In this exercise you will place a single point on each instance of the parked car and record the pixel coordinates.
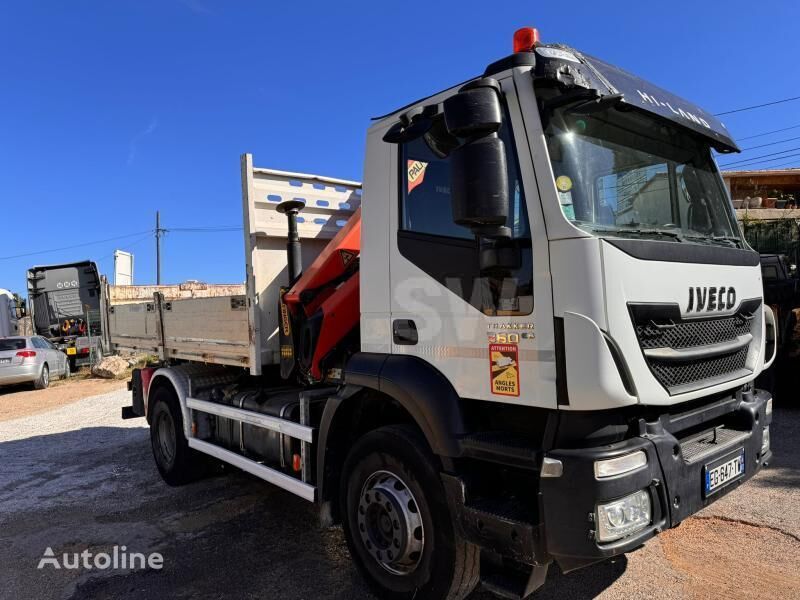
(31, 359)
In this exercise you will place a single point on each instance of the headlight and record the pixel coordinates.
(765, 441)
(622, 464)
(623, 517)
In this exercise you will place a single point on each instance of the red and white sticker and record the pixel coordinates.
(416, 173)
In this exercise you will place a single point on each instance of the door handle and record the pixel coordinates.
(404, 332)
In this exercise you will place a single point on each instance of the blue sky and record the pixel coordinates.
(110, 110)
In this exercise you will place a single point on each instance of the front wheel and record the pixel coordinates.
(397, 523)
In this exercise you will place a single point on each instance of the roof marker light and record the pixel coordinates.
(525, 39)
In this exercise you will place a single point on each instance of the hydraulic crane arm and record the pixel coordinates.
(320, 310)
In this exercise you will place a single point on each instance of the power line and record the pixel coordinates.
(128, 246)
(744, 160)
(739, 167)
(737, 110)
(203, 229)
(750, 137)
(113, 239)
(794, 161)
(771, 143)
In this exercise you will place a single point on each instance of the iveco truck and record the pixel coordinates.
(529, 337)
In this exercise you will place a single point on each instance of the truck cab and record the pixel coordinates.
(541, 332)
(620, 295)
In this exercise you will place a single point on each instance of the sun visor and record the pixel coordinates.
(573, 68)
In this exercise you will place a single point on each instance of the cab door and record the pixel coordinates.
(488, 330)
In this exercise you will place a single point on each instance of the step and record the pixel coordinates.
(501, 447)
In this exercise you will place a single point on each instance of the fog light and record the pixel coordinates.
(768, 410)
(623, 517)
(622, 464)
(765, 441)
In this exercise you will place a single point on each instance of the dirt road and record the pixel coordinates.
(21, 400)
(77, 477)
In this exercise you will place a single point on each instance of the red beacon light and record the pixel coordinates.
(525, 39)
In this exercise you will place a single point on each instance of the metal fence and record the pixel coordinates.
(779, 236)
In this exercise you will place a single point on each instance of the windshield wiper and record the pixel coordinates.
(711, 239)
(658, 232)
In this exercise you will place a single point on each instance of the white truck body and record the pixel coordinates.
(237, 330)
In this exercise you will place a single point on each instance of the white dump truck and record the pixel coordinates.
(532, 339)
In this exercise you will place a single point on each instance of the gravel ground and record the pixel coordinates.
(78, 477)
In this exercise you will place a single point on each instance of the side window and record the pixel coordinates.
(450, 253)
(426, 193)
(36, 343)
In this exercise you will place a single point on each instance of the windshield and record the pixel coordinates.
(621, 173)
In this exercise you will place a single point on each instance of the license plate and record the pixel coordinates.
(5, 361)
(71, 351)
(721, 472)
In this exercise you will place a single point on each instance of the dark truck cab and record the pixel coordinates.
(64, 302)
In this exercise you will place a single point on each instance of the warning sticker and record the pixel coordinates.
(504, 367)
(416, 173)
(347, 256)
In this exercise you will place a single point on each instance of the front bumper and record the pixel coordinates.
(674, 476)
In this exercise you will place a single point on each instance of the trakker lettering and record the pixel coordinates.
(705, 299)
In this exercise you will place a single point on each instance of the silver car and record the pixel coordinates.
(31, 359)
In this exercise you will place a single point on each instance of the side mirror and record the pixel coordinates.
(479, 187)
(478, 176)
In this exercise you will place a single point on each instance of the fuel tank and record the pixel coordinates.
(257, 442)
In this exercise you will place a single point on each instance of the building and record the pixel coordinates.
(777, 188)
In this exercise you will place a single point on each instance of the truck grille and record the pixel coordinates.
(686, 354)
(688, 334)
(672, 375)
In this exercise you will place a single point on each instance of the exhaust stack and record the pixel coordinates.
(294, 256)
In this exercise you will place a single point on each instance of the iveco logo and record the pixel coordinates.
(711, 298)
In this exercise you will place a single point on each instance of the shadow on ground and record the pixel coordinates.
(229, 536)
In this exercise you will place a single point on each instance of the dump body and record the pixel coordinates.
(241, 330)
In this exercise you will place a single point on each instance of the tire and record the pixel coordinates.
(391, 473)
(43, 381)
(176, 462)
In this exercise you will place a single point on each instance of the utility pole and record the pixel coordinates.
(159, 233)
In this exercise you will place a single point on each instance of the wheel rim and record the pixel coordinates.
(390, 524)
(46, 376)
(165, 430)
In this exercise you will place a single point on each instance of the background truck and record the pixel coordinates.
(64, 303)
(12, 309)
(532, 339)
